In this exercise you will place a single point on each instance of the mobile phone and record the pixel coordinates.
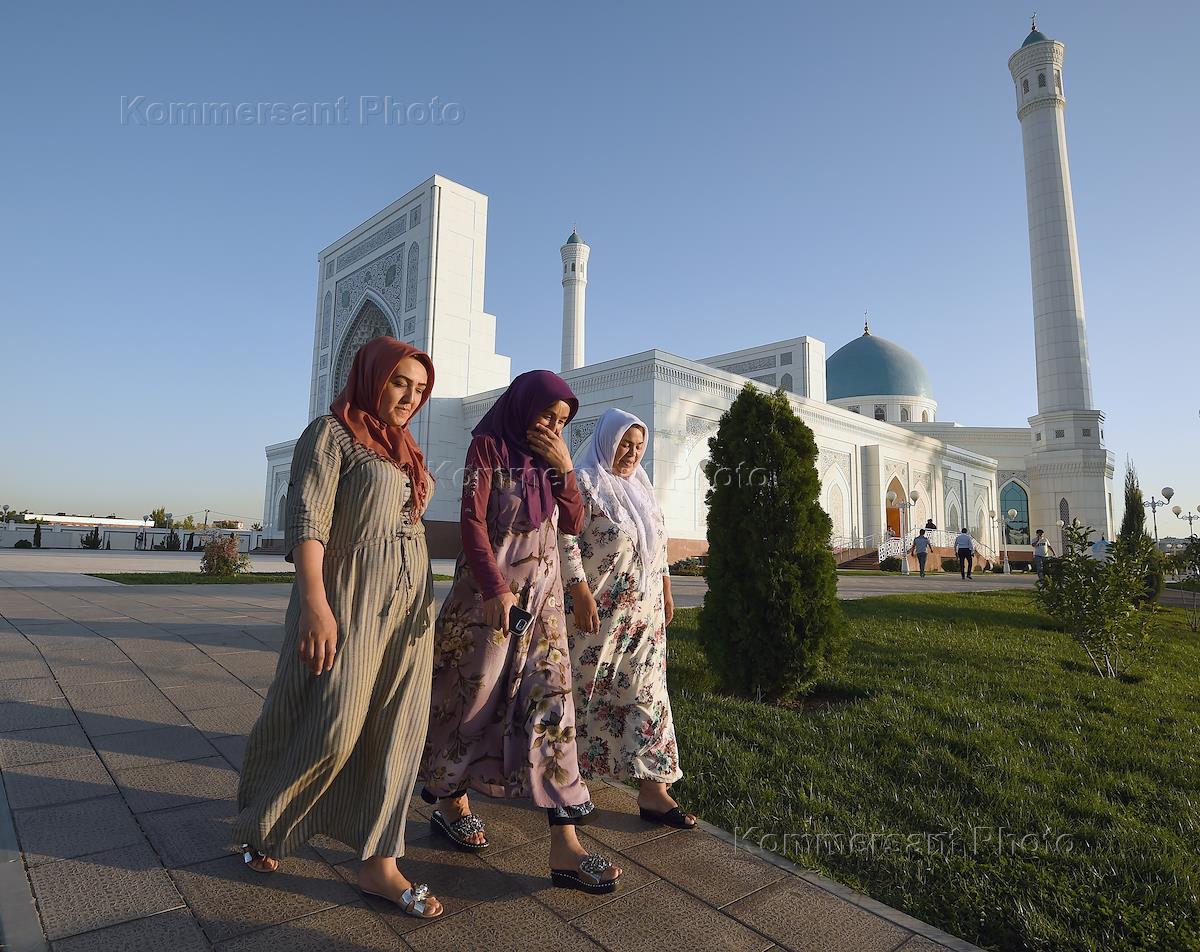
(518, 620)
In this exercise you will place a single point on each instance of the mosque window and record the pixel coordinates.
(904, 415)
(785, 359)
(1058, 81)
(1025, 86)
(1037, 437)
(564, 268)
(1087, 431)
(1060, 434)
(1041, 80)
(924, 416)
(1064, 511)
(572, 265)
(415, 218)
(1016, 529)
(786, 382)
(853, 409)
(880, 412)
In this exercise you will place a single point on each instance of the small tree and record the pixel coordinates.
(221, 557)
(37, 534)
(92, 539)
(159, 516)
(771, 623)
(1101, 605)
(1133, 522)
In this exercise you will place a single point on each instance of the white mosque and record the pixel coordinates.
(415, 271)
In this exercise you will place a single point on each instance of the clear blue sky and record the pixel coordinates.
(743, 173)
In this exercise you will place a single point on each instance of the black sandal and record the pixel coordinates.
(587, 876)
(457, 831)
(673, 817)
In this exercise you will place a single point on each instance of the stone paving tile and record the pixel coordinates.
(122, 752)
(921, 944)
(220, 721)
(510, 922)
(63, 781)
(529, 868)
(100, 673)
(509, 822)
(661, 916)
(195, 697)
(29, 689)
(231, 643)
(57, 832)
(616, 823)
(705, 866)
(174, 931)
(230, 899)
(192, 834)
(458, 879)
(127, 718)
(177, 784)
(98, 697)
(117, 885)
(351, 928)
(829, 922)
(232, 748)
(42, 746)
(24, 668)
(26, 715)
(335, 852)
(199, 670)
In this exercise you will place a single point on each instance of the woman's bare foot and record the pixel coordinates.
(456, 809)
(380, 876)
(653, 795)
(566, 851)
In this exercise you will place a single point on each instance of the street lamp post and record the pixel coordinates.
(1189, 516)
(1155, 504)
(1062, 537)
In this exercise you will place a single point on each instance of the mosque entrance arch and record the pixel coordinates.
(370, 322)
(893, 509)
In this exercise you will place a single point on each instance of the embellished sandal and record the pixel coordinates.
(587, 876)
(250, 856)
(413, 901)
(673, 817)
(457, 831)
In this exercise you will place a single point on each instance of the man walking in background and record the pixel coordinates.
(920, 547)
(1039, 553)
(964, 546)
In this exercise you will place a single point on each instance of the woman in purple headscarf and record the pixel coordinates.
(502, 717)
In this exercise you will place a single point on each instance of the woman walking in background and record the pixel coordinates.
(338, 743)
(502, 720)
(619, 603)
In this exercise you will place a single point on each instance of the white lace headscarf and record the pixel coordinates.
(627, 501)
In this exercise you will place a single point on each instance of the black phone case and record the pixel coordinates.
(518, 620)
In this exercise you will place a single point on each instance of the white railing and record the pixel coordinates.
(940, 538)
(853, 542)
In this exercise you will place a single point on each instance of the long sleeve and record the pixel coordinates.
(476, 542)
(316, 468)
(570, 552)
(571, 509)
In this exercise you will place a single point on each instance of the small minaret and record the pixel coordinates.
(574, 281)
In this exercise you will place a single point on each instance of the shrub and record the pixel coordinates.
(91, 540)
(771, 622)
(171, 543)
(890, 564)
(949, 564)
(221, 557)
(22, 544)
(687, 567)
(1102, 605)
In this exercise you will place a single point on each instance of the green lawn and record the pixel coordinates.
(1016, 800)
(196, 578)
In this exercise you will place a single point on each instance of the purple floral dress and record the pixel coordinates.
(502, 718)
(623, 712)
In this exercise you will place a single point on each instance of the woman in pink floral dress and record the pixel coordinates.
(502, 717)
(619, 604)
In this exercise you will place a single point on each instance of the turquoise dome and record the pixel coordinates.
(574, 239)
(1035, 36)
(872, 366)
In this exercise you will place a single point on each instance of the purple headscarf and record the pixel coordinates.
(507, 423)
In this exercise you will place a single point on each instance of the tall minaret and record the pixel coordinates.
(1068, 464)
(574, 260)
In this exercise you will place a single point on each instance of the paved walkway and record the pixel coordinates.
(123, 718)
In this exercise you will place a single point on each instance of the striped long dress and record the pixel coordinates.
(338, 753)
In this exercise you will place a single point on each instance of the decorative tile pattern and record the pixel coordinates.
(378, 239)
(326, 320)
(581, 431)
(749, 366)
(370, 323)
(410, 293)
(120, 884)
(349, 291)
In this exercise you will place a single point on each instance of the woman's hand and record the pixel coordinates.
(496, 610)
(550, 447)
(587, 618)
(668, 601)
(318, 636)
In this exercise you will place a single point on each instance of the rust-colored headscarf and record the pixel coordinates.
(357, 406)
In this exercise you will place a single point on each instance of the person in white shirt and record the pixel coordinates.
(964, 546)
(1040, 544)
(920, 547)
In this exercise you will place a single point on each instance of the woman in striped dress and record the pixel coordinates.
(337, 746)
(503, 719)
